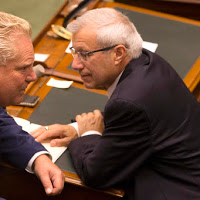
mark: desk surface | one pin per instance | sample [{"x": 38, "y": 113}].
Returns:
[
  {"x": 62, "y": 105},
  {"x": 59, "y": 60}
]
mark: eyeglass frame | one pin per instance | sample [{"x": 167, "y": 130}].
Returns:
[{"x": 84, "y": 55}]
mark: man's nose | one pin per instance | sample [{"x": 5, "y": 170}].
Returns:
[
  {"x": 31, "y": 76},
  {"x": 77, "y": 63}
]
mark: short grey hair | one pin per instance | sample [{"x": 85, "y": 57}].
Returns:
[
  {"x": 10, "y": 27},
  {"x": 112, "y": 27}
]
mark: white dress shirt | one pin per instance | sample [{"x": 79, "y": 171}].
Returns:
[{"x": 29, "y": 167}]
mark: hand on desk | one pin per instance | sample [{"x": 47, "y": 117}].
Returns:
[
  {"x": 49, "y": 174},
  {"x": 62, "y": 135},
  {"x": 59, "y": 135}
]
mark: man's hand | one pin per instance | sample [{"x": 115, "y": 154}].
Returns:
[
  {"x": 90, "y": 121},
  {"x": 49, "y": 174},
  {"x": 59, "y": 135}
]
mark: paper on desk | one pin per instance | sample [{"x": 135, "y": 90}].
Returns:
[
  {"x": 147, "y": 45},
  {"x": 150, "y": 46},
  {"x": 67, "y": 49},
  {"x": 59, "y": 84},
  {"x": 41, "y": 57},
  {"x": 55, "y": 152}
]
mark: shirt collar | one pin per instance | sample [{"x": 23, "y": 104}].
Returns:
[{"x": 113, "y": 86}]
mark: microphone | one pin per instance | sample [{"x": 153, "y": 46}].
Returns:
[{"x": 40, "y": 71}]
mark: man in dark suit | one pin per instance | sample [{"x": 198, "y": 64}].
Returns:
[
  {"x": 148, "y": 139},
  {"x": 17, "y": 147}
]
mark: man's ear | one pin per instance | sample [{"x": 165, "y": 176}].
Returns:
[{"x": 120, "y": 53}]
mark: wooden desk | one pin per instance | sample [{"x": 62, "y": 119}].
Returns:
[{"x": 59, "y": 60}]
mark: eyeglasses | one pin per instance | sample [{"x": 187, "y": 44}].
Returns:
[{"x": 84, "y": 55}]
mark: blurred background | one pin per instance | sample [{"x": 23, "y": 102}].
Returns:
[{"x": 38, "y": 12}]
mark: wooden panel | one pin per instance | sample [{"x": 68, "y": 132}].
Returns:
[
  {"x": 17, "y": 184},
  {"x": 185, "y": 1},
  {"x": 189, "y": 9}
]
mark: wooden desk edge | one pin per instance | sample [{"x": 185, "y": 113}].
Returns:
[
  {"x": 155, "y": 13},
  {"x": 193, "y": 77},
  {"x": 75, "y": 180}
]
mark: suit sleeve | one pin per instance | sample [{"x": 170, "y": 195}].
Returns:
[
  {"x": 16, "y": 146},
  {"x": 113, "y": 158}
]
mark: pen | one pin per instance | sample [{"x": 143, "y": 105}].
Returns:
[{"x": 73, "y": 120}]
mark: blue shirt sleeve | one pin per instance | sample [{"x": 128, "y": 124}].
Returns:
[{"x": 16, "y": 146}]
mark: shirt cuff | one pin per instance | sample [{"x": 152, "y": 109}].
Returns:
[
  {"x": 91, "y": 133},
  {"x": 75, "y": 125},
  {"x": 29, "y": 167}
]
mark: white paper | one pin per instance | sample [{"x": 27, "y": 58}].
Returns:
[
  {"x": 41, "y": 57},
  {"x": 150, "y": 46},
  {"x": 55, "y": 152},
  {"x": 67, "y": 49},
  {"x": 59, "y": 83}
]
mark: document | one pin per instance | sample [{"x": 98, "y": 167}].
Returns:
[
  {"x": 27, "y": 126},
  {"x": 59, "y": 83},
  {"x": 150, "y": 46},
  {"x": 41, "y": 57}
]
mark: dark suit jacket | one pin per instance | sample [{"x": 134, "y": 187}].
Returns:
[
  {"x": 16, "y": 146},
  {"x": 151, "y": 142}
]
